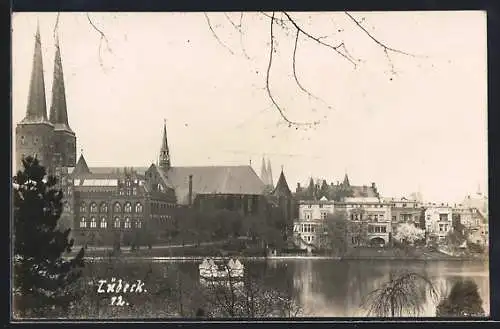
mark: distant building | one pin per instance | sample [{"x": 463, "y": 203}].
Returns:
[
  {"x": 405, "y": 210},
  {"x": 309, "y": 227},
  {"x": 102, "y": 205},
  {"x": 370, "y": 220},
  {"x": 438, "y": 221},
  {"x": 282, "y": 200}
]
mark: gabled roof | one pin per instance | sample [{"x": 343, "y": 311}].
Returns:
[
  {"x": 214, "y": 180},
  {"x": 81, "y": 167}
]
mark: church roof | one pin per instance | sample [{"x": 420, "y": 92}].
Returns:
[
  {"x": 81, "y": 167},
  {"x": 282, "y": 188},
  {"x": 36, "y": 111},
  {"x": 58, "y": 108},
  {"x": 214, "y": 180}
]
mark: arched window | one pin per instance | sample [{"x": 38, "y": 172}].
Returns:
[
  {"x": 117, "y": 207},
  {"x": 138, "y": 224},
  {"x": 104, "y": 223},
  {"x": 128, "y": 207},
  {"x": 104, "y": 207},
  {"x": 127, "y": 222},
  {"x": 23, "y": 141},
  {"x": 117, "y": 222},
  {"x": 83, "y": 222},
  {"x": 93, "y": 223},
  {"x": 138, "y": 207},
  {"x": 83, "y": 207},
  {"x": 93, "y": 207}
]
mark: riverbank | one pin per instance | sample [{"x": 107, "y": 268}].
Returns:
[{"x": 202, "y": 251}]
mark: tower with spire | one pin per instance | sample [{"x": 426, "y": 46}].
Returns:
[
  {"x": 64, "y": 138},
  {"x": 50, "y": 140},
  {"x": 34, "y": 134},
  {"x": 263, "y": 173},
  {"x": 164, "y": 158},
  {"x": 270, "y": 173}
]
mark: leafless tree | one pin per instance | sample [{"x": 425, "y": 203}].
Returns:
[
  {"x": 291, "y": 25},
  {"x": 247, "y": 297}
]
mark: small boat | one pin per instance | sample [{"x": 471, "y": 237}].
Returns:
[{"x": 210, "y": 270}]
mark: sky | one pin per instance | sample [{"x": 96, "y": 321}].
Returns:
[{"x": 409, "y": 123}]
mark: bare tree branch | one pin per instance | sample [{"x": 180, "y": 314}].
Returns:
[
  {"x": 216, "y": 36},
  {"x": 386, "y": 48},
  {"x": 280, "y": 110},
  {"x": 241, "y": 37},
  {"x": 335, "y": 48},
  {"x": 103, "y": 38},
  {"x": 56, "y": 25},
  {"x": 295, "y": 72}
]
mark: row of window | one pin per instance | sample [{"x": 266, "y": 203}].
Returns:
[
  {"x": 371, "y": 217},
  {"x": 377, "y": 229},
  {"x": 104, "y": 224},
  {"x": 116, "y": 207}
]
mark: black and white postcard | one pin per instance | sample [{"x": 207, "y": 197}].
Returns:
[{"x": 209, "y": 165}]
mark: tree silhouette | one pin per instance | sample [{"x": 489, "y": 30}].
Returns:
[
  {"x": 463, "y": 300},
  {"x": 403, "y": 295},
  {"x": 43, "y": 279}
]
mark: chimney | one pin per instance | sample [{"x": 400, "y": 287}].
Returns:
[
  {"x": 373, "y": 185},
  {"x": 190, "y": 195},
  {"x": 298, "y": 187}
]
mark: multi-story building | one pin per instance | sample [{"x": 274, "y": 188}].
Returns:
[
  {"x": 310, "y": 224},
  {"x": 370, "y": 220},
  {"x": 438, "y": 220},
  {"x": 405, "y": 210}
]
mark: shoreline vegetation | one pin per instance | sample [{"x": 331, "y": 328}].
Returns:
[{"x": 191, "y": 252}]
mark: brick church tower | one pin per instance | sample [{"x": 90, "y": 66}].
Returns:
[{"x": 50, "y": 140}]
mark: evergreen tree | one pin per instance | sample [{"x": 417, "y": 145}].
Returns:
[
  {"x": 463, "y": 300},
  {"x": 43, "y": 279}
]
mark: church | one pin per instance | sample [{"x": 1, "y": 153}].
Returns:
[{"x": 104, "y": 205}]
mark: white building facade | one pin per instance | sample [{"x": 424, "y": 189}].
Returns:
[
  {"x": 438, "y": 221},
  {"x": 309, "y": 227}
]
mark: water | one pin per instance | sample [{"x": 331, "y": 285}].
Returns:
[{"x": 321, "y": 287}]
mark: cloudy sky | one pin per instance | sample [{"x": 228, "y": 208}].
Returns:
[{"x": 407, "y": 123}]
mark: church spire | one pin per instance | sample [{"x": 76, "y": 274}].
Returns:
[
  {"x": 164, "y": 159},
  {"x": 263, "y": 172},
  {"x": 58, "y": 109},
  {"x": 346, "y": 181},
  {"x": 282, "y": 188},
  {"x": 37, "y": 108},
  {"x": 270, "y": 173}
]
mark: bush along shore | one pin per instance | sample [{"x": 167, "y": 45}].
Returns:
[{"x": 221, "y": 250}]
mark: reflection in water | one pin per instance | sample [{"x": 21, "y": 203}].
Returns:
[
  {"x": 321, "y": 287},
  {"x": 337, "y": 288}
]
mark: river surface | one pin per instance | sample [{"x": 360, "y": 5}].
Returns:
[{"x": 321, "y": 287}]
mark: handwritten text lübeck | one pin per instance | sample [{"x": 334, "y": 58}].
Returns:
[{"x": 119, "y": 287}]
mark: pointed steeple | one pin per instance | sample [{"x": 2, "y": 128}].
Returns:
[
  {"x": 263, "y": 172},
  {"x": 36, "y": 110},
  {"x": 346, "y": 181},
  {"x": 270, "y": 173},
  {"x": 282, "y": 188},
  {"x": 58, "y": 109},
  {"x": 164, "y": 159},
  {"x": 81, "y": 167}
]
